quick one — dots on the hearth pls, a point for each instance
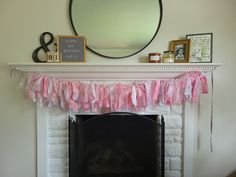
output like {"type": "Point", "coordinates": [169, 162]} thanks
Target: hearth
{"type": "Point", "coordinates": [116, 145]}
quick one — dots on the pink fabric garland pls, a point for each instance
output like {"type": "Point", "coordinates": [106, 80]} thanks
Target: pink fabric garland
{"type": "Point", "coordinates": [115, 96]}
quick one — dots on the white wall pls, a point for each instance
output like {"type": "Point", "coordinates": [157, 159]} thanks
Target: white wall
{"type": "Point", "coordinates": [21, 23]}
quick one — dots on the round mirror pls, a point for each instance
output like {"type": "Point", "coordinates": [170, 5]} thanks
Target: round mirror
{"type": "Point", "coordinates": [116, 28]}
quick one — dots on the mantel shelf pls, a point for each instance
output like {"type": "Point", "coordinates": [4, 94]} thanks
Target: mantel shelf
{"type": "Point", "coordinates": [86, 71]}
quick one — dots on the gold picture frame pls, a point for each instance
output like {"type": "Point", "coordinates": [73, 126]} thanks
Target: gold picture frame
{"type": "Point", "coordinates": [71, 49]}
{"type": "Point", "coordinates": [180, 49]}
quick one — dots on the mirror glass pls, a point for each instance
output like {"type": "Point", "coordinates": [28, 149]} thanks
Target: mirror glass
{"type": "Point", "coordinates": [116, 28]}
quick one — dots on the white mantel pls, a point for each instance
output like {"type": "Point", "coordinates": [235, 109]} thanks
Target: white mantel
{"type": "Point", "coordinates": [142, 71]}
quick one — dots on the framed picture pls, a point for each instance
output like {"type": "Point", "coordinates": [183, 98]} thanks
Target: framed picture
{"type": "Point", "coordinates": [71, 48]}
{"type": "Point", "coordinates": [181, 50]}
{"type": "Point", "coordinates": [200, 47]}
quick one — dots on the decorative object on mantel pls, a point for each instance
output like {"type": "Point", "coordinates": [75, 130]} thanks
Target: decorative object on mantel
{"type": "Point", "coordinates": [71, 48]}
{"type": "Point", "coordinates": [181, 50]}
{"type": "Point", "coordinates": [201, 47]}
{"type": "Point", "coordinates": [50, 55]}
{"type": "Point", "coordinates": [154, 57]}
{"type": "Point", "coordinates": [100, 96]}
{"type": "Point", "coordinates": [168, 57]}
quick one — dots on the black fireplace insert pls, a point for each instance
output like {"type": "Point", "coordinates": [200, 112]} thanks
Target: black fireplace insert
{"type": "Point", "coordinates": [117, 144]}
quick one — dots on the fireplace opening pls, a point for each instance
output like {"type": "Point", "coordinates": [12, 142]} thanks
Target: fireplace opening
{"type": "Point", "coordinates": [116, 145]}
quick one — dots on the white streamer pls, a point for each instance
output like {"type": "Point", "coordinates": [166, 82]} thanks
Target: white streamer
{"type": "Point", "coordinates": [134, 95]}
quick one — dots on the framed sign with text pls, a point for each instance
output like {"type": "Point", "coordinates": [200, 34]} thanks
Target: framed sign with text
{"type": "Point", "coordinates": [71, 48]}
{"type": "Point", "coordinates": [201, 47]}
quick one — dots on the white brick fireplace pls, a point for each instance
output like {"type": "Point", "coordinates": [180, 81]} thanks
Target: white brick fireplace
{"type": "Point", "coordinates": [181, 121]}
{"type": "Point", "coordinates": [53, 142]}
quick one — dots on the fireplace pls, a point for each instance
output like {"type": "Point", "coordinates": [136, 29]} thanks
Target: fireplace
{"type": "Point", "coordinates": [52, 124]}
{"type": "Point", "coordinates": [116, 145]}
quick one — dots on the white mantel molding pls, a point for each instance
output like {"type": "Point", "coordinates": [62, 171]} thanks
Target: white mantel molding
{"type": "Point", "coordinates": [140, 71]}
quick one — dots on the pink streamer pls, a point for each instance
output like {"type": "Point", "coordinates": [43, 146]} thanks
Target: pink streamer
{"type": "Point", "coordinates": [156, 90]}
{"type": "Point", "coordinates": [131, 96]}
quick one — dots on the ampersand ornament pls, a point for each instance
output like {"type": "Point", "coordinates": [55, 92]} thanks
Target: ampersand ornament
{"type": "Point", "coordinates": [44, 46]}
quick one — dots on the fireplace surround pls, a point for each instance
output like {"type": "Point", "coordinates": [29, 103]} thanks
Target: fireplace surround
{"type": "Point", "coordinates": [52, 151]}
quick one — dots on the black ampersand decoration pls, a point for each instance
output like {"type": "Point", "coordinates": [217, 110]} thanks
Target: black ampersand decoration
{"type": "Point", "coordinates": [43, 46]}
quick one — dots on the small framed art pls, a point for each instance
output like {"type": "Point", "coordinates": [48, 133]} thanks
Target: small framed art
{"type": "Point", "coordinates": [71, 48]}
{"type": "Point", "coordinates": [200, 47]}
{"type": "Point", "coordinates": [181, 50]}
